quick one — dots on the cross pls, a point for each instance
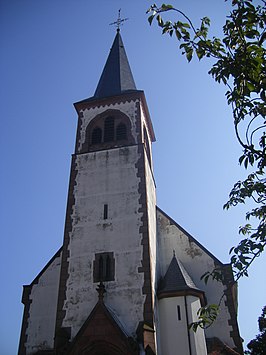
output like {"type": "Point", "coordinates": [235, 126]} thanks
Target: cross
{"type": "Point", "coordinates": [101, 291]}
{"type": "Point", "coordinates": [119, 21]}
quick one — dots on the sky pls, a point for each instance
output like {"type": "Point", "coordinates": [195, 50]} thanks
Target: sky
{"type": "Point", "coordinates": [52, 55]}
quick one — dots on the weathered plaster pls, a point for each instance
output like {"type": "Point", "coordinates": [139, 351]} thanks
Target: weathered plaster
{"type": "Point", "coordinates": [42, 312]}
{"type": "Point", "coordinates": [196, 261]}
{"type": "Point", "coordinates": [145, 124]}
{"type": "Point", "coordinates": [105, 177]}
{"type": "Point", "coordinates": [151, 205]}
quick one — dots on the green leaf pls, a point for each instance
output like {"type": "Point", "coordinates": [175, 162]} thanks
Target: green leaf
{"type": "Point", "coordinates": [178, 34]}
{"type": "Point", "coordinates": [189, 54]}
{"type": "Point", "coordinates": [165, 7]}
{"type": "Point", "coordinates": [150, 18]}
{"type": "Point", "coordinates": [160, 20]}
{"type": "Point", "coordinates": [200, 53]}
{"type": "Point", "coordinates": [186, 25]}
{"type": "Point", "coordinates": [241, 159]}
{"type": "Point", "coordinates": [250, 86]}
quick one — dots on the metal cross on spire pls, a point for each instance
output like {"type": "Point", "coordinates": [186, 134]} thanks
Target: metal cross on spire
{"type": "Point", "coordinates": [119, 21]}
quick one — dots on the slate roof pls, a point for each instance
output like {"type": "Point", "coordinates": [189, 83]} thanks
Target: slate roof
{"type": "Point", "coordinates": [177, 279]}
{"type": "Point", "coordinates": [116, 77]}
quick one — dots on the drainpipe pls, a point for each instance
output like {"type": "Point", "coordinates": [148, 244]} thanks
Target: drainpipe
{"type": "Point", "coordinates": [188, 333]}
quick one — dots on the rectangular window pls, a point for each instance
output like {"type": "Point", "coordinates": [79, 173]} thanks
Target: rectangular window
{"type": "Point", "coordinates": [178, 312]}
{"type": "Point", "coordinates": [105, 211]}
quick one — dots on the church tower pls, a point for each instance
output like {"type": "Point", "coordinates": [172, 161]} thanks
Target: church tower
{"type": "Point", "coordinates": [110, 223]}
{"type": "Point", "coordinates": [114, 287]}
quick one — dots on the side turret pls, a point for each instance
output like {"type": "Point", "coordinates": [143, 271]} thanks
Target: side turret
{"type": "Point", "coordinates": [179, 301]}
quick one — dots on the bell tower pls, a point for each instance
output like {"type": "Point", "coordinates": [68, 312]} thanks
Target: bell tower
{"type": "Point", "coordinates": [110, 229]}
{"type": "Point", "coordinates": [115, 286]}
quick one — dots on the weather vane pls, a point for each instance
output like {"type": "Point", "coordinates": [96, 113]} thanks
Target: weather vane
{"type": "Point", "coordinates": [119, 21]}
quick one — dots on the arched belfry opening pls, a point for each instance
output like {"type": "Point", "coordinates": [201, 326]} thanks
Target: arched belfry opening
{"type": "Point", "coordinates": [111, 128]}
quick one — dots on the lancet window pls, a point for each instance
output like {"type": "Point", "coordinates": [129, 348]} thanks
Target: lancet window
{"type": "Point", "coordinates": [104, 267]}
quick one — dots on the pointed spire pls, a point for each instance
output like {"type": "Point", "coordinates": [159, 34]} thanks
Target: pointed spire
{"type": "Point", "coordinates": [116, 77]}
{"type": "Point", "coordinates": [177, 281]}
{"type": "Point", "coordinates": [176, 278]}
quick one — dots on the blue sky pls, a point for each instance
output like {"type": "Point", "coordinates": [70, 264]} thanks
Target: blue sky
{"type": "Point", "coordinates": [52, 55]}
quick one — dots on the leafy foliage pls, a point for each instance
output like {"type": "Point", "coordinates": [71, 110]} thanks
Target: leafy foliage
{"type": "Point", "coordinates": [206, 315]}
{"type": "Point", "coordinates": [241, 67]}
{"type": "Point", "coordinates": [239, 62]}
{"type": "Point", "coordinates": [258, 346]}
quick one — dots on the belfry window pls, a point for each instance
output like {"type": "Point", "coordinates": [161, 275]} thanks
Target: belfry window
{"type": "Point", "coordinates": [109, 129]}
{"type": "Point", "coordinates": [96, 136]}
{"type": "Point", "coordinates": [121, 132]}
{"type": "Point", "coordinates": [104, 267]}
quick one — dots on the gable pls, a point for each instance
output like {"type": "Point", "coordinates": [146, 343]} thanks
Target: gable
{"type": "Point", "coordinates": [101, 334]}
{"type": "Point", "coordinates": [197, 260]}
{"type": "Point", "coordinates": [172, 237]}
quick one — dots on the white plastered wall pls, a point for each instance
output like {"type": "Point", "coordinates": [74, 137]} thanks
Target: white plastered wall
{"type": "Point", "coordinates": [106, 177]}
{"type": "Point", "coordinates": [42, 312]}
{"type": "Point", "coordinates": [173, 332]}
{"type": "Point", "coordinates": [197, 339]}
{"type": "Point", "coordinates": [196, 261]}
{"type": "Point", "coordinates": [175, 336]}
{"type": "Point", "coordinates": [151, 204]}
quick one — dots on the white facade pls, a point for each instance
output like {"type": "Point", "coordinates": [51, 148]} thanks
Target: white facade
{"type": "Point", "coordinates": [196, 260]}
{"type": "Point", "coordinates": [42, 301]}
{"type": "Point", "coordinates": [175, 316]}
{"type": "Point", "coordinates": [101, 180]}
{"type": "Point", "coordinates": [100, 294]}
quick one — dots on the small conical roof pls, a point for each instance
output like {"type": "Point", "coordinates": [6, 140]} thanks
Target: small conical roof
{"type": "Point", "coordinates": [177, 280]}
{"type": "Point", "coordinates": [116, 77]}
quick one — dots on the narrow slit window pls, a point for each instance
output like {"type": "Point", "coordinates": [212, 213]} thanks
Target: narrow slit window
{"type": "Point", "coordinates": [105, 211]}
{"type": "Point", "coordinates": [178, 312]}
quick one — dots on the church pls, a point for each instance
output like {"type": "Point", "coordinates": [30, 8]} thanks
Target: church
{"type": "Point", "coordinates": [127, 279]}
